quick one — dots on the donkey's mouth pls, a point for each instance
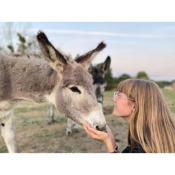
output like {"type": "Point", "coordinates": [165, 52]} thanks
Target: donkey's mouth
{"type": "Point", "coordinates": [97, 120]}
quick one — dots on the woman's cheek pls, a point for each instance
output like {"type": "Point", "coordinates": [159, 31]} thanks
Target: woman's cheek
{"type": "Point", "coordinates": [116, 110]}
{"type": "Point", "coordinates": [121, 110]}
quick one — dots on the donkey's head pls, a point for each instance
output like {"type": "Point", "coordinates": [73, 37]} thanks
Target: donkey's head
{"type": "Point", "coordinates": [74, 93]}
{"type": "Point", "coordinates": [98, 73]}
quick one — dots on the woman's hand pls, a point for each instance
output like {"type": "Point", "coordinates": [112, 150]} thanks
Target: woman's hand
{"type": "Point", "coordinates": [106, 137]}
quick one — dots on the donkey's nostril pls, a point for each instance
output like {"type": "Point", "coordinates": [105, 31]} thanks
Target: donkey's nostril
{"type": "Point", "coordinates": [103, 128]}
{"type": "Point", "coordinates": [97, 128]}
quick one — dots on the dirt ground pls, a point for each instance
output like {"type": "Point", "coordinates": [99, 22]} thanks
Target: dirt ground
{"type": "Point", "coordinates": [34, 135]}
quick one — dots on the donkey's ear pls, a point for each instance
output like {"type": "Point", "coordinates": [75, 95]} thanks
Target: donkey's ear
{"type": "Point", "coordinates": [55, 58]}
{"type": "Point", "coordinates": [90, 69]}
{"type": "Point", "coordinates": [87, 58]}
{"type": "Point", "coordinates": [106, 65]}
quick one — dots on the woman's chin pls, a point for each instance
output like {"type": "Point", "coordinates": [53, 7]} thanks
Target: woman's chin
{"type": "Point", "coordinates": [126, 118]}
{"type": "Point", "coordinates": [115, 113]}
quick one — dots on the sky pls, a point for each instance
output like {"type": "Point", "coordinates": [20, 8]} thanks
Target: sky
{"type": "Point", "coordinates": [133, 46]}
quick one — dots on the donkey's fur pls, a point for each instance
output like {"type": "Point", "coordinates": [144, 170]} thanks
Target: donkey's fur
{"type": "Point", "coordinates": [69, 88]}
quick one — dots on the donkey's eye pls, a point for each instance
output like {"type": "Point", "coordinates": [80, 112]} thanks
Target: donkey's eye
{"type": "Point", "coordinates": [75, 89]}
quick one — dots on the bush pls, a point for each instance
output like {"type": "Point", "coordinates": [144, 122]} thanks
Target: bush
{"type": "Point", "coordinates": [142, 75]}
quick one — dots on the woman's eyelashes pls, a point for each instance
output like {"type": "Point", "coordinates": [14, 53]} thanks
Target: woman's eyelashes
{"type": "Point", "coordinates": [75, 89]}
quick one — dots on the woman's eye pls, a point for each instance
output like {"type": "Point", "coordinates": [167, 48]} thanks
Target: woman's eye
{"type": "Point", "coordinates": [75, 89]}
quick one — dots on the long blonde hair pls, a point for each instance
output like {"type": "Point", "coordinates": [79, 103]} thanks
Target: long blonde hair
{"type": "Point", "coordinates": [151, 124]}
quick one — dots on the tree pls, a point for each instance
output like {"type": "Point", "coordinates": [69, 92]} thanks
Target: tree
{"type": "Point", "coordinates": [16, 39]}
{"type": "Point", "coordinates": [123, 77]}
{"type": "Point", "coordinates": [22, 45]}
{"type": "Point", "coordinates": [7, 39]}
{"type": "Point", "coordinates": [142, 75]}
{"type": "Point", "coordinates": [162, 84]}
{"type": "Point", "coordinates": [110, 80]}
{"type": "Point", "coordinates": [11, 48]}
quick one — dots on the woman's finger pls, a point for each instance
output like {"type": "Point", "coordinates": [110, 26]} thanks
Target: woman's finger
{"type": "Point", "coordinates": [95, 134]}
{"type": "Point", "coordinates": [95, 131]}
{"type": "Point", "coordinates": [91, 134]}
{"type": "Point", "coordinates": [85, 128]}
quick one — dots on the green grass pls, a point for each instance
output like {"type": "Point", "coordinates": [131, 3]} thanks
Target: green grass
{"type": "Point", "coordinates": [3, 149]}
{"type": "Point", "coordinates": [24, 109]}
{"type": "Point", "coordinates": [170, 98]}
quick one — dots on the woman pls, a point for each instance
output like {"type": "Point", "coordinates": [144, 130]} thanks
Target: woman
{"type": "Point", "coordinates": [151, 127]}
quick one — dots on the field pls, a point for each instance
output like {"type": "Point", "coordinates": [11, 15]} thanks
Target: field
{"type": "Point", "coordinates": [34, 135]}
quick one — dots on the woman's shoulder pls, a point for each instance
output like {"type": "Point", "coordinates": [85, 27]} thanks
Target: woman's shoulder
{"type": "Point", "coordinates": [137, 149]}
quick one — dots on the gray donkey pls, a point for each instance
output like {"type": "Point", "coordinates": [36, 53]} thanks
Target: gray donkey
{"type": "Point", "coordinates": [98, 73]}
{"type": "Point", "coordinates": [69, 88]}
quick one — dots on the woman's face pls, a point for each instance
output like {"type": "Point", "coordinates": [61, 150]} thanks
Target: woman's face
{"type": "Point", "coordinates": [123, 106]}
